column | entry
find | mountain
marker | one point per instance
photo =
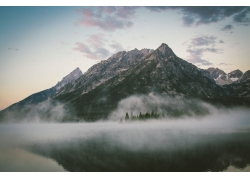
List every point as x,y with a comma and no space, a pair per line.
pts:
221,78
235,75
106,69
245,76
48,93
160,72
241,87
68,79
96,93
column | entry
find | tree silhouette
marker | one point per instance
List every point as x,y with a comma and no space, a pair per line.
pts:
127,116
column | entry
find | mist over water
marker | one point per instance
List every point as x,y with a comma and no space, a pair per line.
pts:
165,106
211,142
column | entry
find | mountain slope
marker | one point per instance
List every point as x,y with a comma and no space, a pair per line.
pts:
45,94
220,77
160,72
96,93
240,88
101,72
235,75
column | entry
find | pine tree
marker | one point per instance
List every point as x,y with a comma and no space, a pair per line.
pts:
152,114
140,116
127,116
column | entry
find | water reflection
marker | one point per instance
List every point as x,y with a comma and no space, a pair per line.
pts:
179,145
195,153
19,160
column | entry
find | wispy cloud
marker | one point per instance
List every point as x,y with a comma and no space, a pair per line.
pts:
196,59
13,49
203,41
243,17
96,40
107,18
95,49
224,64
117,46
198,15
227,28
200,45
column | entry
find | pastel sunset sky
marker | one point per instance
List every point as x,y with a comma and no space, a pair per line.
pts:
41,45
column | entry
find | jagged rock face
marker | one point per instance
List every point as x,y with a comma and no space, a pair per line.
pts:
219,76
245,76
235,74
68,79
241,87
215,72
163,72
105,70
160,72
96,93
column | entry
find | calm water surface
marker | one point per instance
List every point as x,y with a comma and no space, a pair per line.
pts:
181,145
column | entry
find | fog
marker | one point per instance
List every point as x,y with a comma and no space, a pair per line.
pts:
167,107
215,142
47,111
191,136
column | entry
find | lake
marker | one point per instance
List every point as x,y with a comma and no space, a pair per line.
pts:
212,143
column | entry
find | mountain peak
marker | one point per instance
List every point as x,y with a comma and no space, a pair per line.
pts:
76,71
235,74
75,74
245,76
165,50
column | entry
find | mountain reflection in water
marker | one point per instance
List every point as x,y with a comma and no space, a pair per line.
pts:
185,152
180,145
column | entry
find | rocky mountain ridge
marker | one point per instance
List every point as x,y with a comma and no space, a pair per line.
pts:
221,78
48,93
160,72
96,93
104,70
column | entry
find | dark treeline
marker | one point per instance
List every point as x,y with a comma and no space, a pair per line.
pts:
152,115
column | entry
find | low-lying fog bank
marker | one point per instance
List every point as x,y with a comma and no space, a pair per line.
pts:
207,143
136,107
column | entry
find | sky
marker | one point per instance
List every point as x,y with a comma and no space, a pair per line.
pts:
40,45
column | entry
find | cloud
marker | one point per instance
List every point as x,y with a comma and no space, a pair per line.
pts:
196,59
227,27
96,40
13,49
243,17
96,54
203,41
125,12
117,46
107,18
224,64
198,15
83,48
95,49
200,45
200,51
157,8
